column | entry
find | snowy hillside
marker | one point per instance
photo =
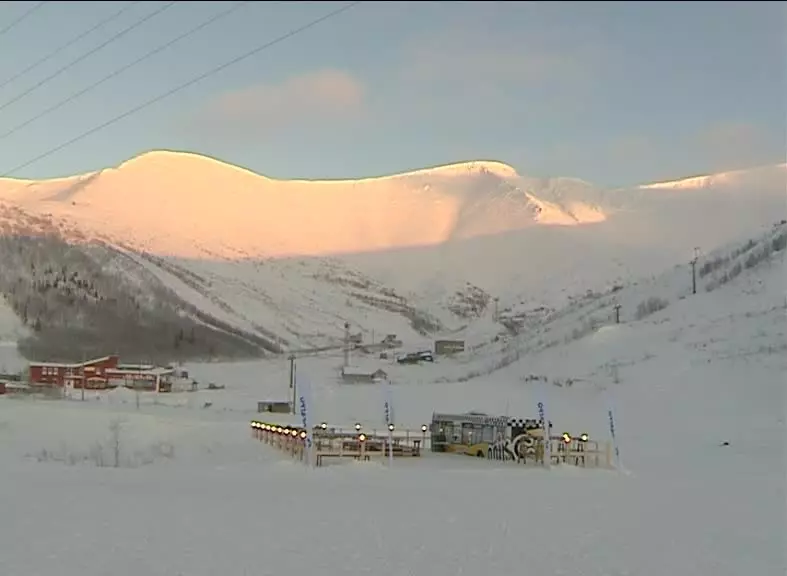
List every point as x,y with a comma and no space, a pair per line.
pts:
697,390
65,301
644,229
524,330
298,303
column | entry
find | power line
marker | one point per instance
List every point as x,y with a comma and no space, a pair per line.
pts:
117,36
185,85
24,15
68,44
122,69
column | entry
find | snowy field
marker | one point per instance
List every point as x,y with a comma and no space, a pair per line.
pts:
175,485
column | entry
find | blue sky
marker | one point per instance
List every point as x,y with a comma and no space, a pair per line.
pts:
614,93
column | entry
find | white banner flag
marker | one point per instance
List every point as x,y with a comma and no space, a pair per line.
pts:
389,409
306,410
389,418
613,434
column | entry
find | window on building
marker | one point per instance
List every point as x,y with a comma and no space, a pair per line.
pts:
488,434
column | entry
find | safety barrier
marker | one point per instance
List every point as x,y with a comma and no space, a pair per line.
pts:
290,440
580,451
565,449
339,443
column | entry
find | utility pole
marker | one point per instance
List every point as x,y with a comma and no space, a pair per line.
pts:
291,358
497,308
617,313
346,344
694,270
82,375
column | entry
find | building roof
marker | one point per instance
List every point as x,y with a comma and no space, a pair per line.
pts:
15,385
356,371
135,366
55,364
140,371
70,364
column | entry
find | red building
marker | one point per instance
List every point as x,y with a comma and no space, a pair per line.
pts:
101,373
140,377
72,374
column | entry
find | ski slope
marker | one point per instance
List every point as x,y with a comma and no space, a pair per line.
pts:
698,394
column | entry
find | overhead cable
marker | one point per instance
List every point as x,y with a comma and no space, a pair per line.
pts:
68,44
179,88
104,44
117,72
24,15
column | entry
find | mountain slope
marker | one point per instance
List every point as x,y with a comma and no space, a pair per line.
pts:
65,297
743,280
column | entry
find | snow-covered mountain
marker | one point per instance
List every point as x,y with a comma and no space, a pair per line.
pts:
282,264
192,206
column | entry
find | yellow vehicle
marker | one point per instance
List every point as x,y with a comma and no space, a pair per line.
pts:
513,439
478,434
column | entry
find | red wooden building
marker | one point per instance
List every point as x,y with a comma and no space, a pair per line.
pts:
102,373
140,377
72,374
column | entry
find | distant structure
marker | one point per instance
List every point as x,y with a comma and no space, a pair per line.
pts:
102,373
391,341
363,375
346,344
448,347
274,406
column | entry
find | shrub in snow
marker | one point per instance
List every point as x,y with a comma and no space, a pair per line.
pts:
109,454
650,306
589,326
731,274
758,256
779,242
710,266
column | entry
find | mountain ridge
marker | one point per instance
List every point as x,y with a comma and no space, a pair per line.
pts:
189,205
728,177
450,169
173,202
252,263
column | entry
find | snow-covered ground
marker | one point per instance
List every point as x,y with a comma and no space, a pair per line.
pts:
194,494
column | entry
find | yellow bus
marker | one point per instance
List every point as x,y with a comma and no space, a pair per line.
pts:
483,436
